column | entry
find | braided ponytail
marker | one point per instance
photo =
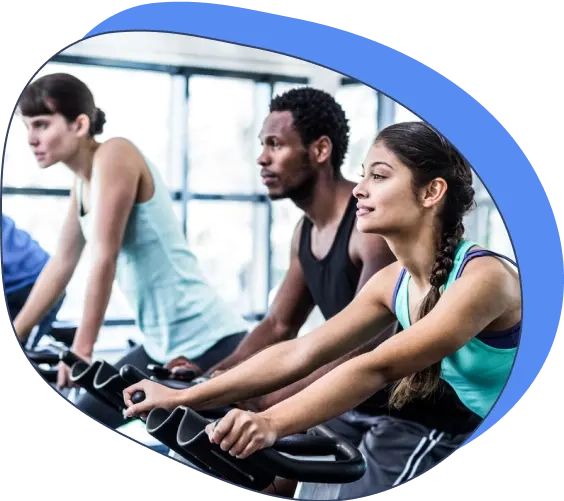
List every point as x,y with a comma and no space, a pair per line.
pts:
430,156
425,382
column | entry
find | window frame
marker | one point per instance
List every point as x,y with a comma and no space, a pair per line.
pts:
180,97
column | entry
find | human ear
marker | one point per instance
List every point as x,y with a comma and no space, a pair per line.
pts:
433,192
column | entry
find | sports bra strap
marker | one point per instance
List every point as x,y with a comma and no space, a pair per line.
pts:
459,258
481,252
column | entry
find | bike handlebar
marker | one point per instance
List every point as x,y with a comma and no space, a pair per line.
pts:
183,431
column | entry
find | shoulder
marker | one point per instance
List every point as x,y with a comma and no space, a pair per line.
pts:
368,248
382,284
495,271
296,236
117,155
117,145
487,288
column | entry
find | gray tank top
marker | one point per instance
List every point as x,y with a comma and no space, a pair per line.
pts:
175,308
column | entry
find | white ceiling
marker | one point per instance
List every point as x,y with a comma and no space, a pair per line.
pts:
165,48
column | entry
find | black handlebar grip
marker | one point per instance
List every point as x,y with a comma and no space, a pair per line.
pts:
184,374
160,371
138,396
70,358
132,374
183,430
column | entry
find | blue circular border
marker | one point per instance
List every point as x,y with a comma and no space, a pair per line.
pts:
494,155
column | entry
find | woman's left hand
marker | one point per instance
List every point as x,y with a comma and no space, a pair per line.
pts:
242,432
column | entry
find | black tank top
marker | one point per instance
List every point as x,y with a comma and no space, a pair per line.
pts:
332,282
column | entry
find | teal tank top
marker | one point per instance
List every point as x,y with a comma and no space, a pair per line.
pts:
477,371
174,307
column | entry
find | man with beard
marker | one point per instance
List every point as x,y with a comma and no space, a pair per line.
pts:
305,139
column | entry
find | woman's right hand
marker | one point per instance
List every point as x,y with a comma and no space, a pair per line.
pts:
156,396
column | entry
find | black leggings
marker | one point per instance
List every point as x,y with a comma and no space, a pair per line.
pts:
138,358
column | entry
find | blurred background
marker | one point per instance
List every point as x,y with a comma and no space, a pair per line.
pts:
195,107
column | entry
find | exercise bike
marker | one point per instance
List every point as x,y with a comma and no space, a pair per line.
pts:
106,383
44,353
319,460
316,458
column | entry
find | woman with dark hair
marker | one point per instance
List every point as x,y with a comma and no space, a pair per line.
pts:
461,316
121,206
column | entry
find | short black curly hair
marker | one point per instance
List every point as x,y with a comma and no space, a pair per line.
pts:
316,114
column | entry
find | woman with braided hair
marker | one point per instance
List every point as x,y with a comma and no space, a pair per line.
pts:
460,316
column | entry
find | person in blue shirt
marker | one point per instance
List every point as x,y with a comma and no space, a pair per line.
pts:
23,260
120,205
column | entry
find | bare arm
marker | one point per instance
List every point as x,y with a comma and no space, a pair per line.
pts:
280,364
455,320
56,274
373,254
290,309
115,179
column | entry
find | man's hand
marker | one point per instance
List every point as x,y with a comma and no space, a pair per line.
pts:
183,363
253,404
